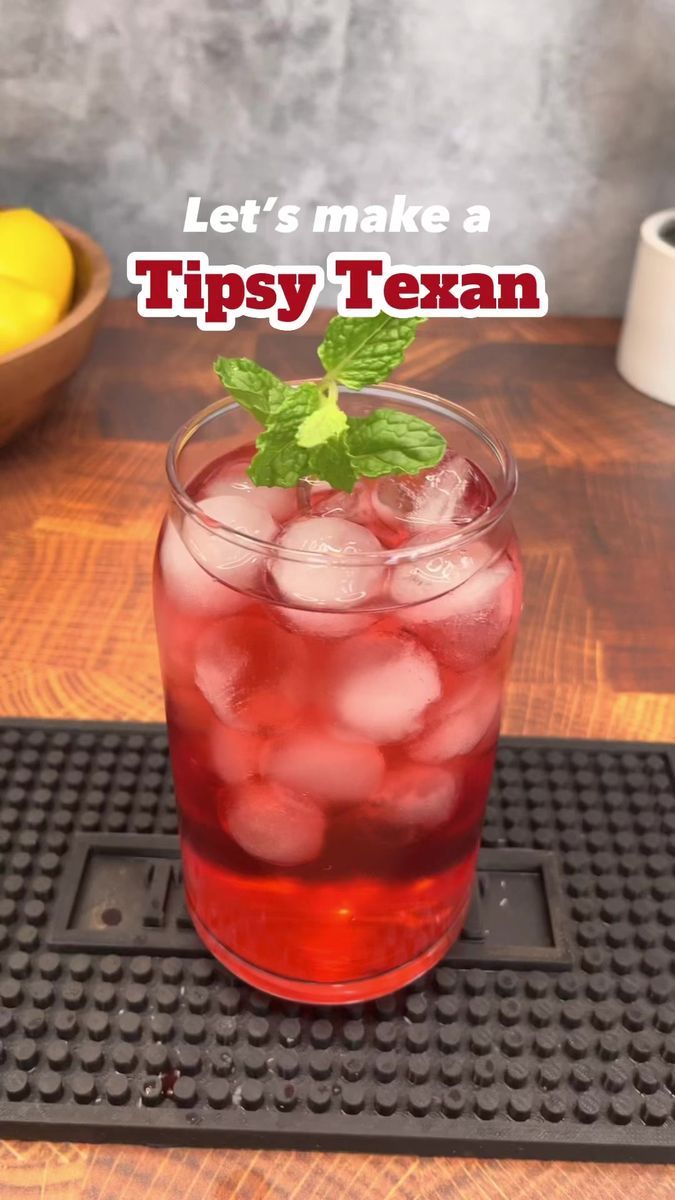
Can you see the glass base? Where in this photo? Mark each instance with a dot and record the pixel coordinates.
(350, 992)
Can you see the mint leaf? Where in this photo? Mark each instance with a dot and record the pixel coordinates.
(257, 390)
(307, 433)
(358, 351)
(388, 442)
(329, 421)
(298, 403)
(331, 461)
(280, 461)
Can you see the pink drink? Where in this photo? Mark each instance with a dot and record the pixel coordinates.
(333, 723)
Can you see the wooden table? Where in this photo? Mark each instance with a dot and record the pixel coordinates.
(80, 500)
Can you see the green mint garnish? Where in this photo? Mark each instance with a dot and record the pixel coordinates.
(257, 390)
(389, 442)
(281, 461)
(308, 435)
(358, 351)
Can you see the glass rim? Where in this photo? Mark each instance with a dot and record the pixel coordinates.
(504, 492)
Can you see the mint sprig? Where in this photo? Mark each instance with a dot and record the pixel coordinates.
(308, 435)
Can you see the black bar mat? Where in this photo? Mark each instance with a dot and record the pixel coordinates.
(549, 1032)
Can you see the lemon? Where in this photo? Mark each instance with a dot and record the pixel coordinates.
(25, 314)
(36, 252)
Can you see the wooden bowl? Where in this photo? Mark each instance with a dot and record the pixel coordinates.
(30, 375)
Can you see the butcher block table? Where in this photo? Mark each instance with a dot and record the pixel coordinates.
(81, 498)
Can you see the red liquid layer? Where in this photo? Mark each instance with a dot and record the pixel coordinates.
(331, 789)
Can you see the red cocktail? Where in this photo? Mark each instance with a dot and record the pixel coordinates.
(333, 668)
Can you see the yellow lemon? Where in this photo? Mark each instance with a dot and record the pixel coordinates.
(36, 252)
(25, 314)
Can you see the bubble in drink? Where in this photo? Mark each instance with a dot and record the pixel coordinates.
(452, 493)
(234, 753)
(383, 685)
(237, 564)
(331, 769)
(252, 672)
(458, 724)
(337, 584)
(272, 824)
(188, 584)
(422, 796)
(233, 480)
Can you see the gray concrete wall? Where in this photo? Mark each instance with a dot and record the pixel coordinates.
(558, 114)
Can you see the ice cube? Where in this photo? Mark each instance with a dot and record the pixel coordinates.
(459, 722)
(252, 672)
(415, 795)
(473, 620)
(188, 584)
(233, 480)
(325, 624)
(357, 506)
(452, 493)
(335, 585)
(328, 768)
(350, 506)
(238, 565)
(383, 684)
(269, 822)
(235, 753)
(426, 586)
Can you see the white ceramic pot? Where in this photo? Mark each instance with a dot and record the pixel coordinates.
(646, 353)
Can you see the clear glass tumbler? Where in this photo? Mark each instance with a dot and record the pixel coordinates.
(333, 708)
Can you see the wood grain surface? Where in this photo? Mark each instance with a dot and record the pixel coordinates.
(81, 496)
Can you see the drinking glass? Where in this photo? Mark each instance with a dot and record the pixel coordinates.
(333, 713)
